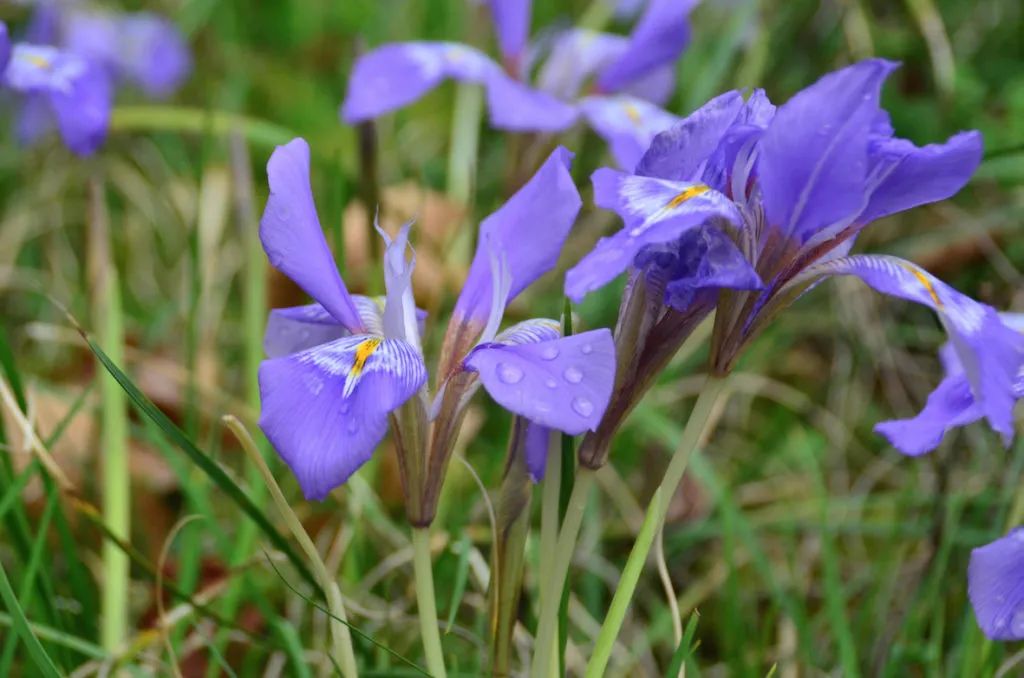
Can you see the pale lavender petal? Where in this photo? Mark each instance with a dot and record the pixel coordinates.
(654, 211)
(679, 153)
(657, 86)
(292, 237)
(35, 119)
(83, 109)
(400, 313)
(395, 75)
(530, 331)
(517, 107)
(536, 449)
(298, 328)
(660, 37)
(990, 353)
(5, 47)
(575, 56)
(527, 232)
(995, 585)
(325, 410)
(628, 125)
(512, 24)
(562, 383)
(949, 406)
(813, 160)
(912, 176)
(94, 35)
(153, 53)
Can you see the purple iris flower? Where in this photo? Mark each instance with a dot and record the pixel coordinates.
(780, 196)
(62, 86)
(337, 370)
(995, 585)
(630, 76)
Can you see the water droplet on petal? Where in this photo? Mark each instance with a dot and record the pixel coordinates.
(551, 383)
(572, 375)
(582, 406)
(586, 349)
(353, 425)
(509, 374)
(344, 407)
(549, 353)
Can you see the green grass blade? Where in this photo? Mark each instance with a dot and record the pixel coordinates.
(197, 121)
(40, 658)
(685, 648)
(464, 548)
(293, 648)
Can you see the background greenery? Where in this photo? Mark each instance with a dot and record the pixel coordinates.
(806, 545)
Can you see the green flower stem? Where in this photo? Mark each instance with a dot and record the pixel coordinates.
(340, 636)
(159, 118)
(425, 603)
(551, 595)
(465, 139)
(653, 519)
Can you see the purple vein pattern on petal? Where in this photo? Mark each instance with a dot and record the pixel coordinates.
(326, 409)
(516, 107)
(292, 237)
(654, 211)
(561, 383)
(395, 75)
(627, 124)
(528, 231)
(536, 449)
(295, 329)
(679, 152)
(995, 585)
(512, 25)
(660, 36)
(912, 176)
(990, 352)
(813, 160)
(530, 331)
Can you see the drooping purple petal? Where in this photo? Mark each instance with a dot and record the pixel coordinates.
(627, 124)
(561, 383)
(995, 585)
(395, 75)
(654, 211)
(325, 410)
(516, 107)
(292, 237)
(536, 449)
(949, 406)
(912, 176)
(527, 232)
(702, 259)
(512, 25)
(44, 25)
(990, 353)
(656, 86)
(154, 54)
(659, 38)
(813, 160)
(680, 152)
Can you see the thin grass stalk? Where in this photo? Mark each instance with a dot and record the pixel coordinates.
(653, 520)
(340, 637)
(425, 603)
(465, 140)
(109, 323)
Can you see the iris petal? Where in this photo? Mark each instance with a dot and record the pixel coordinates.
(660, 36)
(326, 409)
(295, 329)
(995, 584)
(512, 24)
(536, 449)
(627, 124)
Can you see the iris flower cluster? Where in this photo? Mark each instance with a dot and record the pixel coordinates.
(73, 57)
(340, 369)
(615, 83)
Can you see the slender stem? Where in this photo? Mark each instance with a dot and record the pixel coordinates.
(340, 636)
(425, 601)
(653, 519)
(549, 513)
(465, 138)
(551, 596)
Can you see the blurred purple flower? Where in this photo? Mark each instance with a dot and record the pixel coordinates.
(631, 76)
(347, 362)
(995, 585)
(63, 86)
(787, 191)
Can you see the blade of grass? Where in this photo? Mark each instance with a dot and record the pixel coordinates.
(684, 649)
(292, 647)
(42, 661)
(153, 118)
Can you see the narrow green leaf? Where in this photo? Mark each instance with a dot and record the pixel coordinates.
(43, 663)
(292, 647)
(684, 649)
(463, 548)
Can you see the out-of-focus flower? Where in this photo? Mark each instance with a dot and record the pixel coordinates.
(61, 85)
(776, 199)
(5, 47)
(630, 76)
(338, 369)
(995, 585)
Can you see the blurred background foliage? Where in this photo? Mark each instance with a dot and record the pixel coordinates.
(806, 545)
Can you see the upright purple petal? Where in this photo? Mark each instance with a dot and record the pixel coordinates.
(995, 585)
(292, 237)
(910, 176)
(660, 37)
(575, 56)
(537, 447)
(990, 353)
(153, 53)
(654, 211)
(95, 35)
(813, 160)
(679, 153)
(563, 383)
(325, 410)
(527, 232)
(628, 125)
(44, 25)
(512, 24)
(395, 75)
(516, 107)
